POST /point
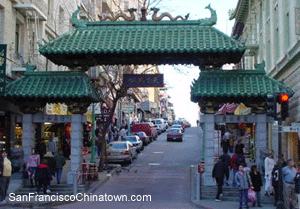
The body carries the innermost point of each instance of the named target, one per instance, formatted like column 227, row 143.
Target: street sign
column 290, row 129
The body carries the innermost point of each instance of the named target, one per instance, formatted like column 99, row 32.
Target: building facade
column 270, row 31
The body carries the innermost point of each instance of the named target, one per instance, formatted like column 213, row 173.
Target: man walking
column 288, row 175
column 219, row 171
column 269, row 165
column 5, row 173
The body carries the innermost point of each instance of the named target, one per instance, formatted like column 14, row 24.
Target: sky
column 179, row 80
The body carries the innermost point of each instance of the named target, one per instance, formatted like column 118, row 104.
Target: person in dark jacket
column 43, row 176
column 236, row 160
column 51, row 162
column 257, row 184
column 226, row 159
column 275, row 182
column 219, row 171
column 60, row 162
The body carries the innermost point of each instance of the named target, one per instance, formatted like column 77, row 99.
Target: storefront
column 235, row 88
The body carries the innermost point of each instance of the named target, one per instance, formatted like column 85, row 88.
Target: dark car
column 143, row 136
column 148, row 128
column 174, row 135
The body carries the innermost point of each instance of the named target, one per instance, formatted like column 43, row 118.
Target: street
column 161, row 170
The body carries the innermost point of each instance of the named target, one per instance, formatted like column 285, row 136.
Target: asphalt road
column 161, row 171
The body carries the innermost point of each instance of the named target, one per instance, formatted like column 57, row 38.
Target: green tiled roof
column 235, row 83
column 241, row 11
column 52, row 86
column 149, row 42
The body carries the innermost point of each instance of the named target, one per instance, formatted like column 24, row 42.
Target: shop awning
column 52, row 87
column 143, row 42
column 236, row 86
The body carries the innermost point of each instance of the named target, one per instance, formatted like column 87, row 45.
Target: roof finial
column 124, row 16
column 209, row 21
column 165, row 14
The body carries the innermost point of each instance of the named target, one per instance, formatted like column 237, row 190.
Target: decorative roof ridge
column 55, row 73
column 236, row 13
column 150, row 22
column 76, row 22
column 239, row 71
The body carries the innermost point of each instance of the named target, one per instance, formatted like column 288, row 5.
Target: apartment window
column 61, row 18
column 2, row 24
column 126, row 6
column 287, row 31
column 17, row 39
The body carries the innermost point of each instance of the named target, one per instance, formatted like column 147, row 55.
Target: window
column 126, row 6
column 2, row 25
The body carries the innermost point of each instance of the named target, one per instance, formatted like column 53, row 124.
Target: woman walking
column 257, row 184
column 32, row 164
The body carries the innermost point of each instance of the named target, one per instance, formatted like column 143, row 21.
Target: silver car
column 121, row 151
column 136, row 142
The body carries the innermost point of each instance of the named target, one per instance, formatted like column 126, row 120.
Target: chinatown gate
column 141, row 41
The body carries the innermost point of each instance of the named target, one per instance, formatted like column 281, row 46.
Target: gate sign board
column 143, row 80
column 290, row 129
column 2, row 68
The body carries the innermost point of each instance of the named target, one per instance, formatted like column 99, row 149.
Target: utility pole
column 280, row 183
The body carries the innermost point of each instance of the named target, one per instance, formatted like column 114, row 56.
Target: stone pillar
column 76, row 145
column 28, row 136
column 208, row 129
column 261, row 139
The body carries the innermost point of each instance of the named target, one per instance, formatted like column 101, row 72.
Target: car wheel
column 129, row 161
column 136, row 156
column 142, row 148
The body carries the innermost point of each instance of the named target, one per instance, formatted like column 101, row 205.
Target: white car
column 121, row 151
column 136, row 142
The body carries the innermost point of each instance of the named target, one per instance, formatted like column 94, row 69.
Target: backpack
column 240, row 160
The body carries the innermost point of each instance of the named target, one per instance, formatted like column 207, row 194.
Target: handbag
column 251, row 195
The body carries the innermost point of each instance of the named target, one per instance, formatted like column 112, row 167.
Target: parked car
column 143, row 136
column 178, row 126
column 121, row 151
column 147, row 127
column 136, row 142
column 158, row 129
column 174, row 134
column 160, row 123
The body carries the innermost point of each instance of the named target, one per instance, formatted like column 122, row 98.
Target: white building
column 270, row 30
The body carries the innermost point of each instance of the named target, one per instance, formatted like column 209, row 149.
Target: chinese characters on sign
column 143, row 80
column 2, row 68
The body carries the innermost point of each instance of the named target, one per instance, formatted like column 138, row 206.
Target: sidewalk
column 211, row 204
column 16, row 183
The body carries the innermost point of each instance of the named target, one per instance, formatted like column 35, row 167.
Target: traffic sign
column 290, row 129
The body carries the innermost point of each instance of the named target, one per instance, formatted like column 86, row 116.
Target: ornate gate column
column 261, row 138
column 208, row 148
column 76, row 145
column 28, row 136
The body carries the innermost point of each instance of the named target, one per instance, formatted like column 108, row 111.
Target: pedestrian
column 236, row 160
column 225, row 142
column 239, row 147
column 226, row 159
column 269, row 165
column 220, row 170
column 43, row 176
column 51, row 162
column 60, row 162
column 297, row 186
column 288, row 177
column 243, row 182
column 32, row 164
column 257, row 184
column 51, row 146
column 5, row 173
column 122, row 133
column 41, row 148
column 275, row 182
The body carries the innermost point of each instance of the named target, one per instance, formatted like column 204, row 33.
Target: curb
column 91, row 188
column 200, row 205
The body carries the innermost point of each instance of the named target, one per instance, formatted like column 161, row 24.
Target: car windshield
column 175, row 130
column 130, row 138
column 140, row 134
column 158, row 122
column 177, row 126
column 119, row 145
